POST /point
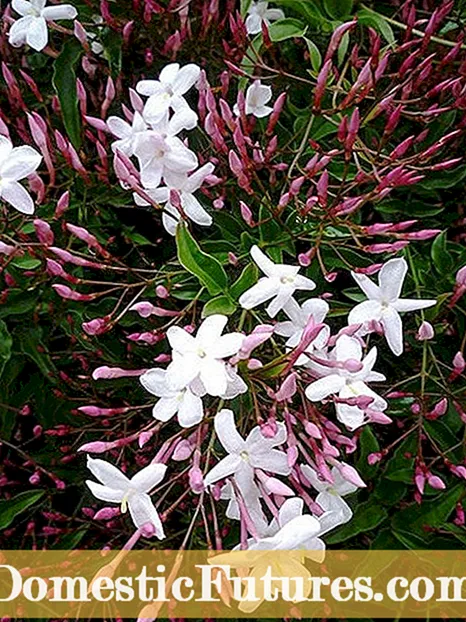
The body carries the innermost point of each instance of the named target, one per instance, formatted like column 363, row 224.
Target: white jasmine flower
column 162, row 155
column 348, row 384
column 251, row 497
column 185, row 402
column 259, row 12
column 128, row 134
column 384, row 303
column 330, row 496
column 191, row 206
column 280, row 283
column 17, row 163
column 202, row 356
column 31, row 28
column 256, row 452
column 257, row 96
column 132, row 494
column 299, row 319
column 167, row 92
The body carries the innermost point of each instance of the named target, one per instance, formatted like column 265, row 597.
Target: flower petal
column 284, row 294
column 143, row 511
column 169, row 73
column 19, row 29
column 22, row 162
column 60, row 11
column 149, row 87
column 290, row 509
column 149, row 477
column 253, row 24
column 166, row 407
column 211, row 329
column 412, row 304
column 324, row 387
column 5, row 150
column 105, row 493
column 348, row 348
column 393, row 329
column 263, row 290
column 191, row 411
column 195, row 211
column 119, row 127
column 227, row 345
column 371, row 290
column 17, row 196
column 263, row 262
column 107, row 473
column 274, row 461
column 223, row 469
column 180, row 340
column 227, row 434
column 182, row 370
column 257, row 442
column 155, row 381
column 365, row 312
column 185, row 78
column 23, row 7
column 391, row 278
column 37, row 35
column 214, row 377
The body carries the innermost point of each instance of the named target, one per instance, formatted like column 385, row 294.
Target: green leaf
column 112, row 42
column 366, row 17
column 367, row 516
column 368, row 444
column 11, row 508
column 6, row 342
column 222, row 304
column 314, row 54
column 432, row 513
column 440, row 255
column 246, row 280
column 64, row 82
column 286, row 28
column 338, row 9
column 206, row 268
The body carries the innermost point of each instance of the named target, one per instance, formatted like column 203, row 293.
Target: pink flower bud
column 254, row 364
column 98, row 326
column 34, row 479
column 374, row 458
column 70, row 294
column 62, row 204
column 183, row 450
column 425, row 332
column 161, row 291
column 259, row 335
column 95, row 447
column 246, row 214
column 459, row 363
column 274, row 486
column 95, row 411
column 287, row 389
column 353, row 366
column 110, row 373
column 312, row 430
column 350, row 474
column 144, row 437
column 461, row 277
column 107, row 513
column 435, row 482
column 196, row 480
column 292, row 455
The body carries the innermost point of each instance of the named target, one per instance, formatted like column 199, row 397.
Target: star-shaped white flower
column 299, row 320
column 132, row 494
column 16, row 163
column 164, row 156
column 185, row 402
column 189, row 203
column 330, row 495
column 259, row 12
column 257, row 96
column 346, row 384
column 384, row 303
column 256, row 452
column 280, row 283
column 128, row 134
column 202, row 356
column 167, row 92
column 31, row 28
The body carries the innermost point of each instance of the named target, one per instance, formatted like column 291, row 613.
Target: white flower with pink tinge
column 31, row 27
column 259, row 12
column 131, row 494
column 258, row 96
column 202, row 357
column 17, row 163
column 346, row 376
column 168, row 91
column 280, row 283
column 384, row 304
column 299, row 320
column 245, row 455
